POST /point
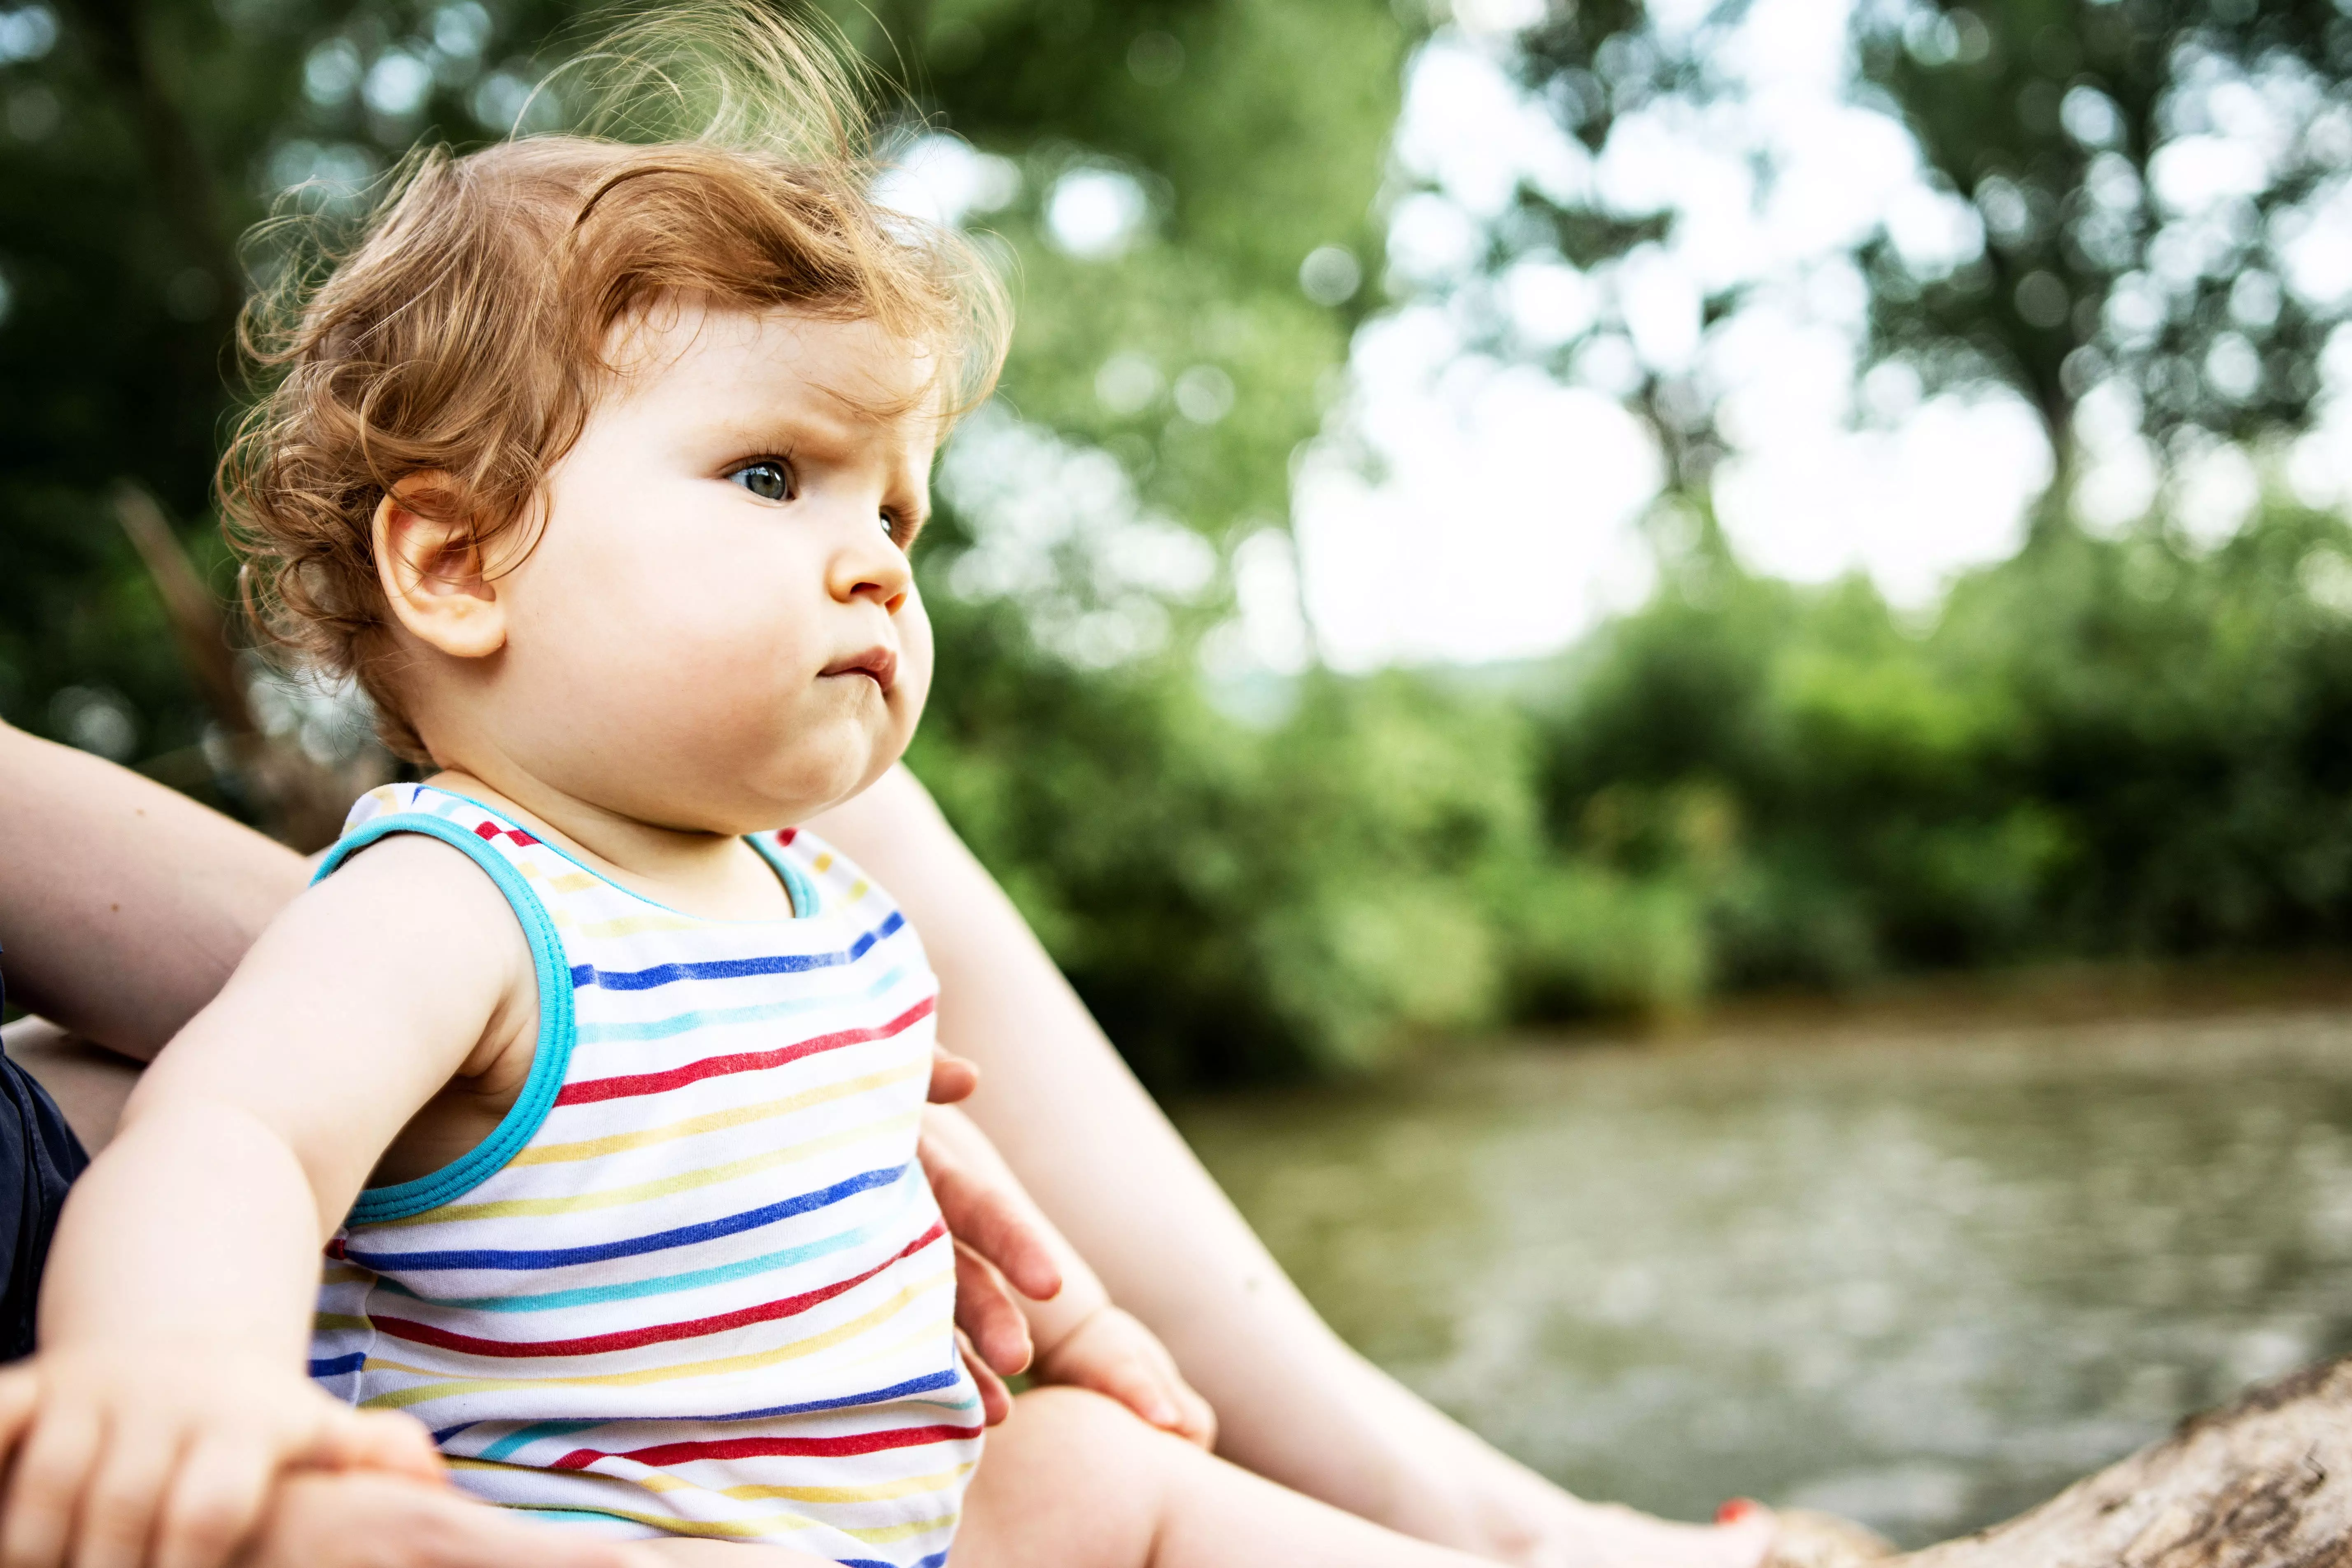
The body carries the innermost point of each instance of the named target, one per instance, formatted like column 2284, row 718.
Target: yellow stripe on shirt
column 665, row 1186
column 400, row 1398
column 590, row 1148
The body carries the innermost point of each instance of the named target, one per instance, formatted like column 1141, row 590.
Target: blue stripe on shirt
column 630, row 1247
column 733, row 968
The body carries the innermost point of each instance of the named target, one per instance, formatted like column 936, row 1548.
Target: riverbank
column 2053, row 994
column 1921, row 1260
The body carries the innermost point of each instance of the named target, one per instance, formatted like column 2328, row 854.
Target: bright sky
column 1514, row 509
column 1510, row 516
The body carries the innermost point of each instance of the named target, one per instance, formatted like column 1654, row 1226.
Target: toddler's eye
column 767, row 478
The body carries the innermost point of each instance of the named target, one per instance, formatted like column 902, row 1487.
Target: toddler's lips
column 879, row 663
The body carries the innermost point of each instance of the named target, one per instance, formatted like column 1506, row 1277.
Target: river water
column 1923, row 1279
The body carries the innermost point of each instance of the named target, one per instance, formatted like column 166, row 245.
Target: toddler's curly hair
column 465, row 332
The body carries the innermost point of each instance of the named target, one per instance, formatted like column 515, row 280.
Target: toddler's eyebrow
column 803, row 427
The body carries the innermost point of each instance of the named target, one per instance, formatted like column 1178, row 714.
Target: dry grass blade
column 300, row 801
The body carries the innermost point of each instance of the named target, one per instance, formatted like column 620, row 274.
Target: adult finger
column 985, row 1311
column 46, row 1486
column 216, row 1500
column 995, row 1399
column 953, row 1078
column 125, row 1494
column 992, row 1221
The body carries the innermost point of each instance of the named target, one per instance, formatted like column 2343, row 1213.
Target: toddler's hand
column 165, row 1456
column 1112, row 1353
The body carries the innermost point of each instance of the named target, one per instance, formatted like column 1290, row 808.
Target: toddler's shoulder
column 408, row 884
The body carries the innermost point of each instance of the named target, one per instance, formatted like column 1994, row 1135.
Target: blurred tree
column 1154, row 177
column 2156, row 185
column 1591, row 64
column 2103, row 747
column 138, row 137
column 2147, row 172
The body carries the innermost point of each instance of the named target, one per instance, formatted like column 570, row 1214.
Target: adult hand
column 952, row 1077
column 369, row 1519
column 998, row 1249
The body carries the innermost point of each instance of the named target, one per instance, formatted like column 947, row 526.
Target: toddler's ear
column 431, row 566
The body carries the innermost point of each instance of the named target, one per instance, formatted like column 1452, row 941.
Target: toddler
column 598, row 465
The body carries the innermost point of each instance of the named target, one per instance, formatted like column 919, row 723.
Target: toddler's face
column 718, row 628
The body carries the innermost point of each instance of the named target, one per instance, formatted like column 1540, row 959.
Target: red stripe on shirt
column 595, row 1089
column 652, row 1334
column 662, row 1456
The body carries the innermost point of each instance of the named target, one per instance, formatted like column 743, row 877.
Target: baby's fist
column 1112, row 1353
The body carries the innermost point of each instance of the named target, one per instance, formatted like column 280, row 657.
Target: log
column 2266, row 1482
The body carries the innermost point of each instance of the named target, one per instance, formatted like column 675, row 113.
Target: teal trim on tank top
column 549, row 1063
column 797, row 887
column 798, row 890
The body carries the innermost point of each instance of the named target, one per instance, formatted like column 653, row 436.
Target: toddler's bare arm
column 169, row 1388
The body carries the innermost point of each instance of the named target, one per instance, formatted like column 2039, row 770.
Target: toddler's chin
column 800, row 790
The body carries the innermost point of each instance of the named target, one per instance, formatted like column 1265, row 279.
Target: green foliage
column 2052, row 120
column 2103, row 747
column 1232, row 900
column 148, row 135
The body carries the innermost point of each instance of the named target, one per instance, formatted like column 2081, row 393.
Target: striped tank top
column 695, row 1283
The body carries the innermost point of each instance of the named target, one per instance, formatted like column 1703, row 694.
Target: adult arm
column 1293, row 1401
column 126, row 903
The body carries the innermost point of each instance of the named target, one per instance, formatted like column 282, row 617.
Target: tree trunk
column 2263, row 1483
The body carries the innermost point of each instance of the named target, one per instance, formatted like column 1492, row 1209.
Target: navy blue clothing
column 39, row 1158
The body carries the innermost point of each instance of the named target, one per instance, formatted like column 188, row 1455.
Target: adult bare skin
column 127, row 904
column 184, row 891
column 1294, row 1402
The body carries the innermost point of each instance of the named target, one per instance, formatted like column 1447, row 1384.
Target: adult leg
column 89, row 1083
column 1075, row 1481
column 39, row 1158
